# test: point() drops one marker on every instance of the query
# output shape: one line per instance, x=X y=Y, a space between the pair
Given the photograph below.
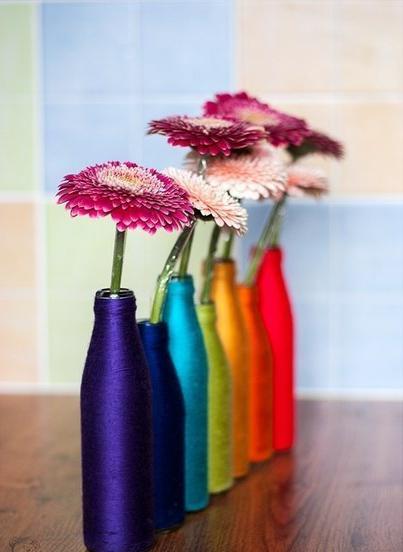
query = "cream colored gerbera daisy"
x=306 y=181
x=211 y=200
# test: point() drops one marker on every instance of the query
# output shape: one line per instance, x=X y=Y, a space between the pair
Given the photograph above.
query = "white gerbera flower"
x=211 y=200
x=306 y=181
x=248 y=176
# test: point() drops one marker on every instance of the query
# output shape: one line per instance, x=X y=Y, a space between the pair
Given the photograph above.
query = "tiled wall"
x=344 y=262
x=78 y=83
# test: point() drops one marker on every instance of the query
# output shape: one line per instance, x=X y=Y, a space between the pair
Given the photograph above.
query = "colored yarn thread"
x=219 y=404
x=168 y=428
x=278 y=319
x=116 y=431
x=232 y=333
x=188 y=353
x=261 y=384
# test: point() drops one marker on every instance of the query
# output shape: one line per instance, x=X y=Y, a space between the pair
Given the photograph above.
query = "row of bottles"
x=207 y=380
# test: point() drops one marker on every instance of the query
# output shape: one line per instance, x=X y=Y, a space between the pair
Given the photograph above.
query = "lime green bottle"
x=219 y=404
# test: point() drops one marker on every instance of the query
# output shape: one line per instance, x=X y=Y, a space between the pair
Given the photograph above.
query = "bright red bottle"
x=278 y=319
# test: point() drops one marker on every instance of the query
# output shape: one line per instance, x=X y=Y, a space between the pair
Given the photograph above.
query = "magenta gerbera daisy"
x=132 y=195
x=282 y=129
x=207 y=135
x=318 y=142
x=242 y=107
x=289 y=131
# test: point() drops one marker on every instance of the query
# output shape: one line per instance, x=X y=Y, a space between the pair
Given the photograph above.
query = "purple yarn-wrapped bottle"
x=116 y=431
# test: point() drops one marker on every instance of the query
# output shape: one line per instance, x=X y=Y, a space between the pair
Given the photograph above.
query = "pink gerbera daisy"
x=207 y=135
x=132 y=195
x=318 y=142
x=242 y=107
x=306 y=181
x=283 y=129
x=248 y=176
x=211 y=201
x=289 y=131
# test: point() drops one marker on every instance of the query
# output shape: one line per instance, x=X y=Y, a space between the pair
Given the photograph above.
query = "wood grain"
x=339 y=491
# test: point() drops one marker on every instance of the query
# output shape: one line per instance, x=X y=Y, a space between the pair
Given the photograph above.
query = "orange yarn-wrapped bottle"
x=260 y=376
x=232 y=333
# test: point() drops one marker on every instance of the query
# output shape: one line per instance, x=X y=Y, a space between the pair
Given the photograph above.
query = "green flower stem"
x=165 y=276
x=117 y=263
x=184 y=264
x=209 y=264
x=274 y=239
x=228 y=245
x=265 y=238
x=185 y=257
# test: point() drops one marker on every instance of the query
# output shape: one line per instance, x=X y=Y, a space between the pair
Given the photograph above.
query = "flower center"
x=256 y=117
x=130 y=178
x=209 y=122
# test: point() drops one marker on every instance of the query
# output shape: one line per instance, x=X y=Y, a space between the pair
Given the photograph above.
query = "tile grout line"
x=137 y=141
x=334 y=177
x=40 y=208
x=233 y=46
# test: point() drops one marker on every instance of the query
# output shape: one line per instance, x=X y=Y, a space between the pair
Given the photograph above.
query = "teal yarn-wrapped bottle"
x=186 y=346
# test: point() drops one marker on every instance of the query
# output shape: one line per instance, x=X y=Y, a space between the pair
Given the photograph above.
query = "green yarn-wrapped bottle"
x=219 y=405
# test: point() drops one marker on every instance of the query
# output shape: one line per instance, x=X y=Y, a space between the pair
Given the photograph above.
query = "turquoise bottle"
x=186 y=346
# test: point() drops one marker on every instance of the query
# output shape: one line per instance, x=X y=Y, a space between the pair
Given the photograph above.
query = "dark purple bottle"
x=168 y=428
x=116 y=431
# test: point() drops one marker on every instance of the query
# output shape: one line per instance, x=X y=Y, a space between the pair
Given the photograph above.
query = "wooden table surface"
x=340 y=490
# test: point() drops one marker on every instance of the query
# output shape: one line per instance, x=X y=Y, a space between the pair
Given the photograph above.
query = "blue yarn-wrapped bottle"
x=168 y=428
x=116 y=436
x=188 y=353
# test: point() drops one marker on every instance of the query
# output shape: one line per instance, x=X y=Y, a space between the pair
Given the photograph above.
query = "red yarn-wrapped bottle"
x=278 y=319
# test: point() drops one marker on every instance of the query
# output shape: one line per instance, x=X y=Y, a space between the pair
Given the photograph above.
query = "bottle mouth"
x=153 y=334
x=186 y=278
x=246 y=289
x=275 y=249
x=223 y=260
x=247 y=294
x=146 y=323
x=182 y=285
x=123 y=293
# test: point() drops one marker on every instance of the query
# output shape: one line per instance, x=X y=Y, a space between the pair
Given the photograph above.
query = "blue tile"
x=156 y=150
x=313 y=342
x=90 y=48
x=306 y=243
x=305 y=240
x=367 y=247
x=345 y=276
x=80 y=135
x=186 y=46
x=368 y=342
x=257 y=215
